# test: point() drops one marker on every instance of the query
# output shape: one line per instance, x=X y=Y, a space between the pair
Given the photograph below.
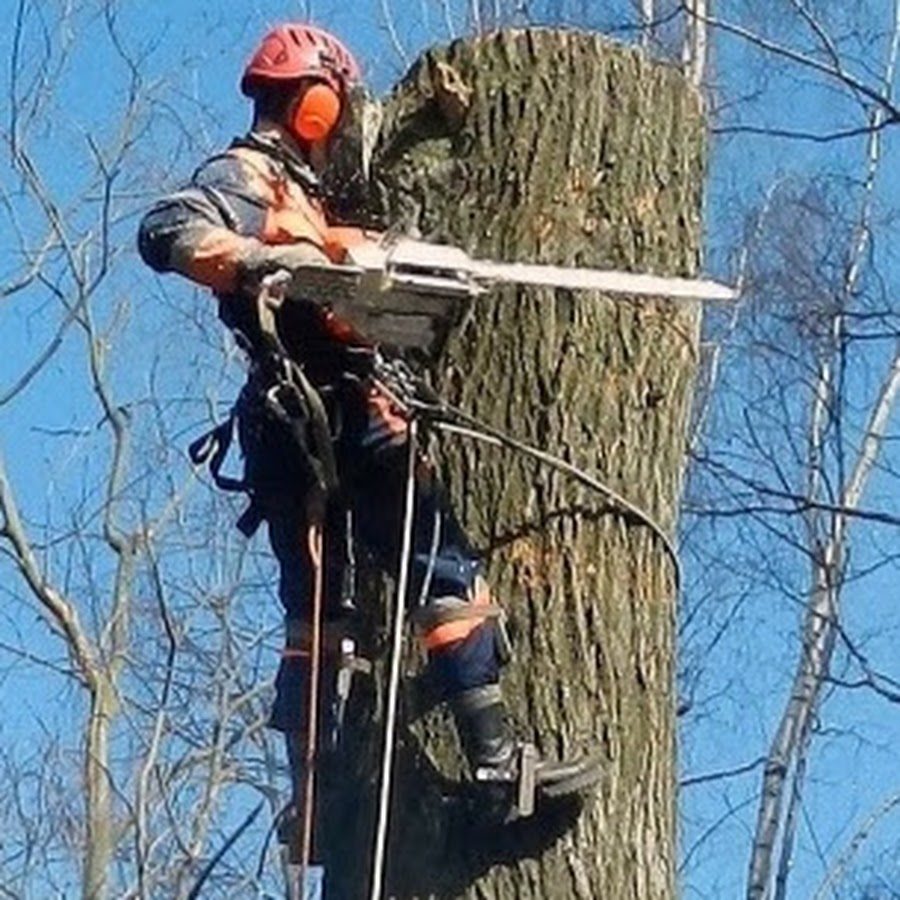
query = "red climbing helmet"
x=297 y=50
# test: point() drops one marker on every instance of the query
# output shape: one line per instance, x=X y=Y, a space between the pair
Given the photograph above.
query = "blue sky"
x=191 y=55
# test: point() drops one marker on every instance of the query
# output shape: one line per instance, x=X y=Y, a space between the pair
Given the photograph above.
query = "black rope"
x=442 y=419
x=410 y=391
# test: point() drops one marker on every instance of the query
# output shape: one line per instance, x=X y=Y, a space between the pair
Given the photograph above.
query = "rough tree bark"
x=555 y=147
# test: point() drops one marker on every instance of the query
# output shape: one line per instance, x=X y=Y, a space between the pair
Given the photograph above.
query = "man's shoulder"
x=233 y=167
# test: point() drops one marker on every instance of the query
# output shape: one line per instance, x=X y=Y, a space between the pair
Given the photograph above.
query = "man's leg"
x=449 y=598
x=289 y=537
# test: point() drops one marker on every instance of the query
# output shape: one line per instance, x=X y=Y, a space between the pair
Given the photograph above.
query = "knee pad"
x=450 y=620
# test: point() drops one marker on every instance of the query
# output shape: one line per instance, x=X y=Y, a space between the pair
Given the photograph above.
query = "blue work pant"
x=372 y=457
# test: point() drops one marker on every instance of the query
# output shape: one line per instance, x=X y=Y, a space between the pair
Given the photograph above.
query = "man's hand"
x=313 y=276
x=270 y=258
x=400 y=293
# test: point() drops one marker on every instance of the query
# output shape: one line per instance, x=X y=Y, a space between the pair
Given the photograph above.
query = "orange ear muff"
x=317 y=113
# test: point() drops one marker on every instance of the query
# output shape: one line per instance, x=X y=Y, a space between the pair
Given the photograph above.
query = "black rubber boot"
x=484 y=731
x=496 y=758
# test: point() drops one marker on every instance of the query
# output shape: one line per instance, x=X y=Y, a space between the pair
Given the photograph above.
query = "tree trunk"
x=553 y=147
x=100 y=839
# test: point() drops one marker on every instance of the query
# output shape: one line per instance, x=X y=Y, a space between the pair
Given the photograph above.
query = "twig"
x=722 y=774
x=834 y=875
x=194 y=892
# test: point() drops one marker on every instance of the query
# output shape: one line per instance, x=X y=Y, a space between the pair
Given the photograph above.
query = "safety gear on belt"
x=335 y=636
x=296 y=50
x=277 y=390
x=342 y=662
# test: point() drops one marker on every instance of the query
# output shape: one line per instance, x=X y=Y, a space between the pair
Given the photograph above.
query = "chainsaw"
x=410 y=294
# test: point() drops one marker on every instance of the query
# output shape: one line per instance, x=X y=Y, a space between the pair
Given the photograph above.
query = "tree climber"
x=259 y=207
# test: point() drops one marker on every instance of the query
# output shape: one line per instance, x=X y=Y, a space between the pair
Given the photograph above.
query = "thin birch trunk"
x=827 y=536
x=696 y=41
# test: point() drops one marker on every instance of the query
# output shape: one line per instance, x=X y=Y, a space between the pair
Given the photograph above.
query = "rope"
x=410 y=391
x=390 y=717
x=488 y=435
x=314 y=546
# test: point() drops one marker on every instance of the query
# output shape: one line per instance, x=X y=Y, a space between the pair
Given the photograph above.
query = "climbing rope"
x=408 y=389
x=314 y=548
x=479 y=431
x=390 y=716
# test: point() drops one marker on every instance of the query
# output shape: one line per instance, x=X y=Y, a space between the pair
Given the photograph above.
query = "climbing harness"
x=278 y=390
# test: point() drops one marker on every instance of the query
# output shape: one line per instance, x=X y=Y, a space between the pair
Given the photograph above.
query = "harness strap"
x=294 y=401
x=298 y=644
x=289 y=397
x=292 y=398
x=212 y=448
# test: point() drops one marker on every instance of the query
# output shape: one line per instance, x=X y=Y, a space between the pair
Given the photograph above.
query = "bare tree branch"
x=788 y=753
x=828 y=137
x=59 y=609
x=863 y=833
x=883 y=102
x=695 y=50
x=723 y=774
